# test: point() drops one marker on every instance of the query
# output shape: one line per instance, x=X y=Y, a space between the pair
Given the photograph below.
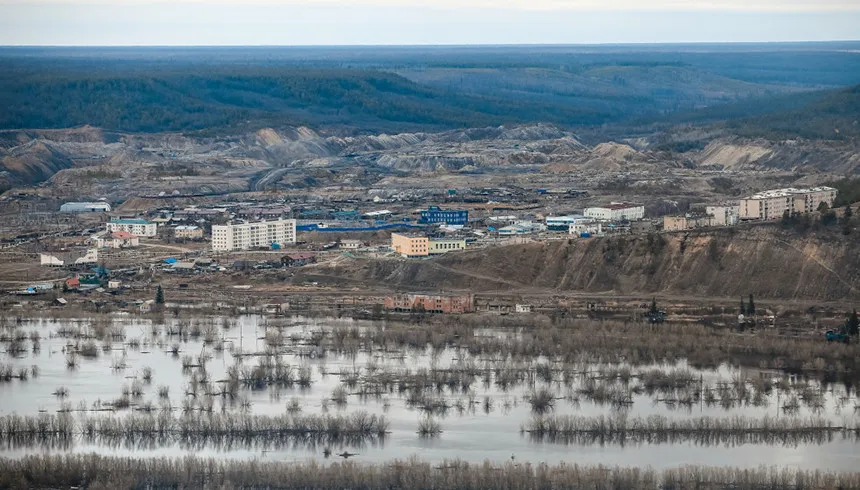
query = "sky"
x=373 y=22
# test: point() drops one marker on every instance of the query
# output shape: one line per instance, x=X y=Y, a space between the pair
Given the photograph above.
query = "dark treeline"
x=429 y=88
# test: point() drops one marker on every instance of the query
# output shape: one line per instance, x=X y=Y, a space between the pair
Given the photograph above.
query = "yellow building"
x=439 y=246
x=410 y=245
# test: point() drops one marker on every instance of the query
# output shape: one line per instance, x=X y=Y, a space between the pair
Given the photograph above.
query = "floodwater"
x=483 y=424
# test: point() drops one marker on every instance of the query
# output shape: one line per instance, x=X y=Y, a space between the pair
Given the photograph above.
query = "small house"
x=73 y=284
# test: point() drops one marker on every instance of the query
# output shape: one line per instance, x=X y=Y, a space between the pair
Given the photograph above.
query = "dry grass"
x=94 y=471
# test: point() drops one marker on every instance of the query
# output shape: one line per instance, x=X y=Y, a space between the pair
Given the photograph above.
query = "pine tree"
x=743 y=307
x=751 y=306
x=853 y=323
x=653 y=306
x=159 y=295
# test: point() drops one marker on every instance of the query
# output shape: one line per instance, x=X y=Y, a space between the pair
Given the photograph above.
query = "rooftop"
x=123 y=235
x=130 y=221
x=788 y=191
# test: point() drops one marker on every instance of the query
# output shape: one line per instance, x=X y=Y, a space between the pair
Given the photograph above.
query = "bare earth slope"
x=763 y=260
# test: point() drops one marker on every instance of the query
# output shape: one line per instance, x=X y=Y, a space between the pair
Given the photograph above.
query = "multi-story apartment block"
x=139 y=227
x=774 y=203
x=723 y=214
x=410 y=245
x=245 y=236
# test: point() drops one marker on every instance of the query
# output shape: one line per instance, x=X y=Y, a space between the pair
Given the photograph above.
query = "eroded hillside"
x=762 y=260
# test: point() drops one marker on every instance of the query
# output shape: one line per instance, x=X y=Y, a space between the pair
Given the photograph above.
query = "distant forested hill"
x=833 y=115
x=420 y=88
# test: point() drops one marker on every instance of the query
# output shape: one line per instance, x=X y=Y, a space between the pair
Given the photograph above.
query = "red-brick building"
x=431 y=303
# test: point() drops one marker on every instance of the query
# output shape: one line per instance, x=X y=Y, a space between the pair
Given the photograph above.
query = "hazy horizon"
x=401 y=23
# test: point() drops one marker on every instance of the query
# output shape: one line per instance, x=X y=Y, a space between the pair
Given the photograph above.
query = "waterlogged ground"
x=478 y=422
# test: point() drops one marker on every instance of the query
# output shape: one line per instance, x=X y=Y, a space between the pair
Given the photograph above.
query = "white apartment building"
x=245 y=236
x=139 y=227
x=723 y=214
x=774 y=203
x=616 y=211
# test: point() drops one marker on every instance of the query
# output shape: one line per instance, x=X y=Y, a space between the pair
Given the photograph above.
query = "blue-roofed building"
x=437 y=215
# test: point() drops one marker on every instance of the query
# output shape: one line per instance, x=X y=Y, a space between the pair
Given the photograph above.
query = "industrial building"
x=437 y=215
x=521 y=228
x=410 y=244
x=85 y=207
x=563 y=223
x=773 y=204
x=188 y=232
x=431 y=303
x=439 y=246
x=139 y=227
x=245 y=236
x=616 y=211
x=586 y=227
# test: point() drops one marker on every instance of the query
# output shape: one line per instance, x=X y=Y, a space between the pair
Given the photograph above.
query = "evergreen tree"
x=743 y=307
x=653 y=309
x=159 y=295
x=853 y=323
x=846 y=220
x=751 y=306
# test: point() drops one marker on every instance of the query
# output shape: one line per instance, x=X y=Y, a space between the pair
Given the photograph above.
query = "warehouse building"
x=85 y=207
x=616 y=211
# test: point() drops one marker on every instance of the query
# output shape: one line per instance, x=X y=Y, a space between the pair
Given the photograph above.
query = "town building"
x=588 y=227
x=85 y=207
x=688 y=222
x=439 y=246
x=116 y=239
x=521 y=228
x=775 y=203
x=520 y=308
x=431 y=303
x=723 y=214
x=410 y=244
x=260 y=234
x=63 y=258
x=616 y=211
x=139 y=227
x=562 y=223
x=437 y=215
x=350 y=244
x=188 y=232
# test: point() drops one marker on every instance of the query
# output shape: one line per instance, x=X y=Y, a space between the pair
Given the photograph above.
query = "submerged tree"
x=853 y=323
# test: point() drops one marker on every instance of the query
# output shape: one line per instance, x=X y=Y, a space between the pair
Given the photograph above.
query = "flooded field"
x=300 y=389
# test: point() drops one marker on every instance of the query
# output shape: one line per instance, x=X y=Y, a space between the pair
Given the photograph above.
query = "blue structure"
x=435 y=214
